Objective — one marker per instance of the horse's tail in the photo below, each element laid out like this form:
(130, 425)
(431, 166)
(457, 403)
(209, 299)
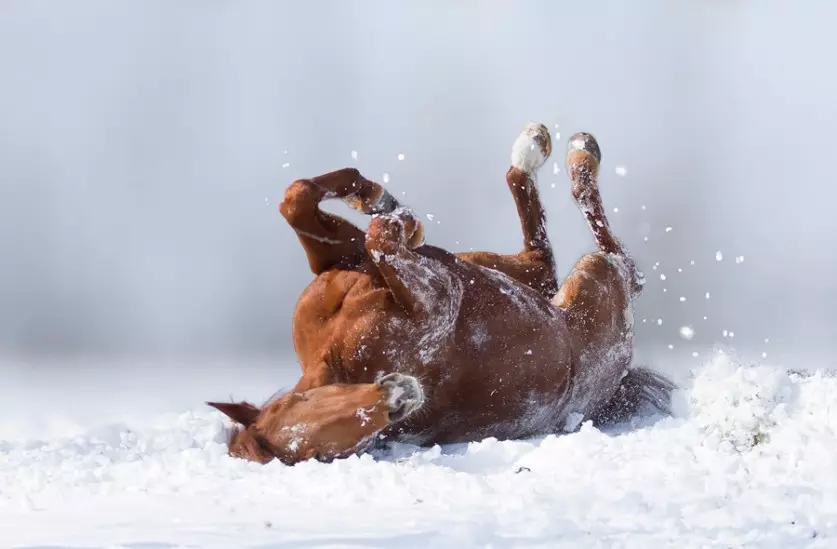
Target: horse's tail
(640, 389)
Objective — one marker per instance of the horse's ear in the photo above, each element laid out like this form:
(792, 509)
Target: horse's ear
(241, 412)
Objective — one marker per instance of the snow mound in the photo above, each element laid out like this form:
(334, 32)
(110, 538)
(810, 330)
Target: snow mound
(747, 460)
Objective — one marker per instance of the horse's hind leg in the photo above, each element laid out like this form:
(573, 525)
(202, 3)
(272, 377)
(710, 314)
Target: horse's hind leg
(601, 285)
(535, 264)
(329, 240)
(598, 292)
(583, 159)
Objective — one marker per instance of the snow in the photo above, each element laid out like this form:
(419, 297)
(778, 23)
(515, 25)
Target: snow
(747, 460)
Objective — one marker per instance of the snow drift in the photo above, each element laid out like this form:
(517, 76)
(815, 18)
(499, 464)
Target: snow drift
(747, 460)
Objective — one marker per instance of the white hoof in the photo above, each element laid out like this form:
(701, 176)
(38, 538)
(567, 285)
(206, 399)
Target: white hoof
(531, 148)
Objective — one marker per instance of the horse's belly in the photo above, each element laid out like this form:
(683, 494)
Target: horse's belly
(507, 382)
(598, 373)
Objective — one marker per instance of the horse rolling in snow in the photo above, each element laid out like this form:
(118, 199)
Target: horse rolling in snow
(403, 341)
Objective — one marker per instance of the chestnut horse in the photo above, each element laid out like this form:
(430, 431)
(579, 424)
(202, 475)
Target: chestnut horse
(403, 341)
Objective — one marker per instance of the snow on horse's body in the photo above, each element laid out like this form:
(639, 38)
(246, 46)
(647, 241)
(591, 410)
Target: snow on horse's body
(405, 341)
(493, 358)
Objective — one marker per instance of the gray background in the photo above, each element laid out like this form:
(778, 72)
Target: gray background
(144, 147)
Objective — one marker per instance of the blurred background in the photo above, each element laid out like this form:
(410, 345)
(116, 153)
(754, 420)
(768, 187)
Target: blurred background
(145, 146)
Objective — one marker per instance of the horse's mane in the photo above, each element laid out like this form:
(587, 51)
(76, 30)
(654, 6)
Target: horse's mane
(275, 396)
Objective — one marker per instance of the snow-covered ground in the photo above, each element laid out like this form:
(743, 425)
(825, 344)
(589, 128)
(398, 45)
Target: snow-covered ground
(748, 461)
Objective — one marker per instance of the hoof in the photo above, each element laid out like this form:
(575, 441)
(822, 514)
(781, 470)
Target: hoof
(583, 158)
(531, 148)
(372, 199)
(413, 228)
(405, 395)
(585, 142)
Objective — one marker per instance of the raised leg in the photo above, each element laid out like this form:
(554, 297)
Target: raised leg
(598, 293)
(416, 281)
(583, 159)
(329, 240)
(323, 423)
(535, 264)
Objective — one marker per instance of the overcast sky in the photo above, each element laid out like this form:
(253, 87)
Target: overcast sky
(144, 147)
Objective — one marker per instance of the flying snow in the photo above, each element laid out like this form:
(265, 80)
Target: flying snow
(687, 332)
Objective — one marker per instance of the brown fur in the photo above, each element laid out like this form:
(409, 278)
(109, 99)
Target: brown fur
(405, 341)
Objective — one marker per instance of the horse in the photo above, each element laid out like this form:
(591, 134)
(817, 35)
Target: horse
(399, 340)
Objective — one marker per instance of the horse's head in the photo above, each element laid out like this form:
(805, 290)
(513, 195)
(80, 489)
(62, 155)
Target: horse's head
(324, 423)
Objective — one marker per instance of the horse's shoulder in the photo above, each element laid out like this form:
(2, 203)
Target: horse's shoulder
(343, 294)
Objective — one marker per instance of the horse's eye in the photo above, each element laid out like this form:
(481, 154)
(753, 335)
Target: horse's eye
(263, 444)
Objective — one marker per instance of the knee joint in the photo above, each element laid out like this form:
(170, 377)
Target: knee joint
(300, 197)
(385, 235)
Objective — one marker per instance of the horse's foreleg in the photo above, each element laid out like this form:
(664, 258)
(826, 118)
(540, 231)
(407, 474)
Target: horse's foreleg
(535, 265)
(329, 240)
(583, 159)
(414, 280)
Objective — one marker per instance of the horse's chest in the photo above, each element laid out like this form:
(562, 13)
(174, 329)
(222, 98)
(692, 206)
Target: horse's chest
(338, 318)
